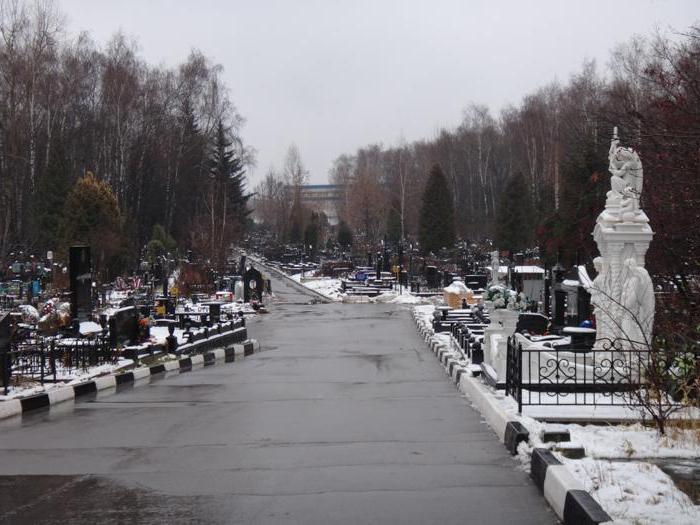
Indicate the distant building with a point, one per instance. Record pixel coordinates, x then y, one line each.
323 198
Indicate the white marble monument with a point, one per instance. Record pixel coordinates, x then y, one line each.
622 293
495 267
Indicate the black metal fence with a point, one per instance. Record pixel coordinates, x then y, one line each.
467 336
613 374
51 360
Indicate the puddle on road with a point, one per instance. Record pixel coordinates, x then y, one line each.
88 499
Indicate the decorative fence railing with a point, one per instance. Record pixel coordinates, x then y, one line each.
7 301
465 335
610 375
51 360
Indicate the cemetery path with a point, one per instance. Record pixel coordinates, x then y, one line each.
345 417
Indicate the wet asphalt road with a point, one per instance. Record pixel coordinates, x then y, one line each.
345 417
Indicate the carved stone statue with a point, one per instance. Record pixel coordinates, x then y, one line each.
638 306
495 267
626 182
603 303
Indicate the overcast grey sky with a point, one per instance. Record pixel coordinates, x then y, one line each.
332 75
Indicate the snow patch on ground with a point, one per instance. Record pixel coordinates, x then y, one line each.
331 288
30 388
635 492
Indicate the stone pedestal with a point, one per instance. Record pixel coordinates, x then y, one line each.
503 322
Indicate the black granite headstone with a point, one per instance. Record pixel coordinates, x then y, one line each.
80 275
124 326
253 285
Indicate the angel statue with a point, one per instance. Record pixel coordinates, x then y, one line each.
604 307
638 305
627 174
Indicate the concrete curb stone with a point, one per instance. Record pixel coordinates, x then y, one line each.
561 490
18 406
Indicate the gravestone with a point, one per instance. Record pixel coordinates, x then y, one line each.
475 282
432 276
80 276
124 326
214 312
253 285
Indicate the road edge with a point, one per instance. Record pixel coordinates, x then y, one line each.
230 354
563 493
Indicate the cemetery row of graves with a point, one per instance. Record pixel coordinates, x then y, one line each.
53 333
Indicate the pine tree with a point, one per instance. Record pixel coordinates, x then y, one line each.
514 216
437 227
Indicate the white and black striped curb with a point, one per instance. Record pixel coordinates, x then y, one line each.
15 407
563 492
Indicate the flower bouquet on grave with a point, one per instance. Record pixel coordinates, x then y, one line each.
517 302
494 293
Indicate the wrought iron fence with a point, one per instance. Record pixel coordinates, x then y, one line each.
609 374
51 360
467 334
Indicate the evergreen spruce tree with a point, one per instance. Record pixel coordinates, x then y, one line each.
160 244
393 223
344 235
47 206
437 227
296 220
228 172
227 201
311 232
514 216
190 164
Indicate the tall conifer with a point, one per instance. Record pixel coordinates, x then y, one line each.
437 224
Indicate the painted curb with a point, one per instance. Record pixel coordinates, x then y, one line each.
515 434
19 406
9 408
562 491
